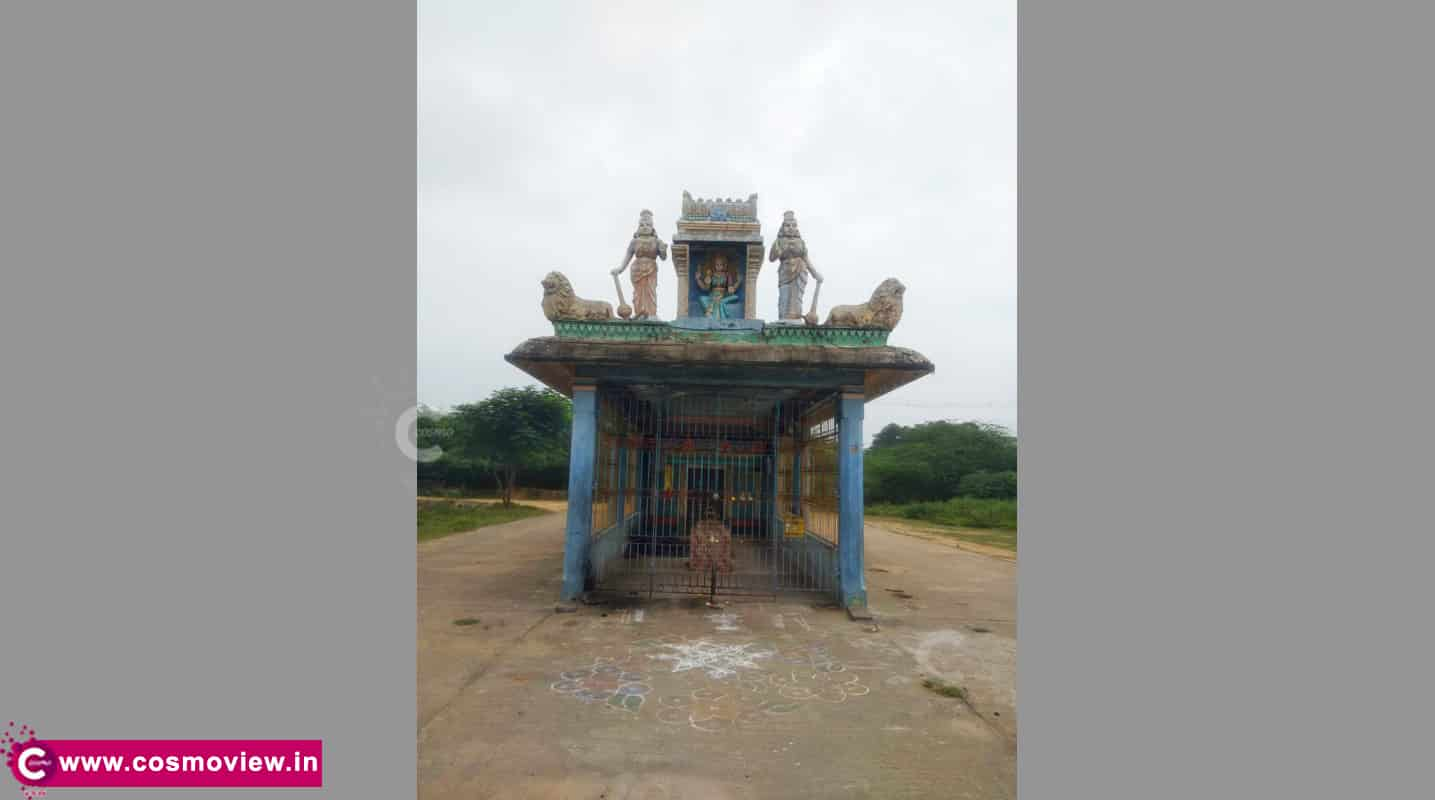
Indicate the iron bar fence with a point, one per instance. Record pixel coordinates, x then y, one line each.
699 491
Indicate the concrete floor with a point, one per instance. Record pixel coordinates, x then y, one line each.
671 699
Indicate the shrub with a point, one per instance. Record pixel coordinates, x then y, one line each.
989 485
961 512
931 460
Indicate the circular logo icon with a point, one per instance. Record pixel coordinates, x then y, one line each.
34 763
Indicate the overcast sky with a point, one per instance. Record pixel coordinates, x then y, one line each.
890 129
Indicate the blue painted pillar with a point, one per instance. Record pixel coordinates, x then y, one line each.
645 484
622 481
582 451
796 483
852 582
773 518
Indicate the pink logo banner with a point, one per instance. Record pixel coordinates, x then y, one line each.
167 763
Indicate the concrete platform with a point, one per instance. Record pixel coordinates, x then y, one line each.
671 699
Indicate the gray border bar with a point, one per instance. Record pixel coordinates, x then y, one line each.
1224 399
209 322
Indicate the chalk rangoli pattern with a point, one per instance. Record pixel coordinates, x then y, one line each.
714 659
605 682
757 699
714 709
832 686
725 622
720 686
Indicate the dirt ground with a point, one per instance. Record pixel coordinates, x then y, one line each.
670 699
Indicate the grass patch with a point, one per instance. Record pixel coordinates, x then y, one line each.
945 689
440 518
452 493
467 621
971 519
460 493
961 512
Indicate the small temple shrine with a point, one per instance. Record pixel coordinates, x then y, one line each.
714 452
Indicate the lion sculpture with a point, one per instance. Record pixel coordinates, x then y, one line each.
884 310
559 302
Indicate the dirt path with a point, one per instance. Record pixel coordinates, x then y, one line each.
668 699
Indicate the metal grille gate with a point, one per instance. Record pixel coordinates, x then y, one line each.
699 491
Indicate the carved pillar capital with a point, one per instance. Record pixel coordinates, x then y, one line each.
754 267
680 266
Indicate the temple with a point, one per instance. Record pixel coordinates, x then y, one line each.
716 453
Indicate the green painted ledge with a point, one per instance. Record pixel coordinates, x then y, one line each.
767 334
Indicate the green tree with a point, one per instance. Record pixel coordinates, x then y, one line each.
928 461
989 485
889 435
512 431
433 429
893 476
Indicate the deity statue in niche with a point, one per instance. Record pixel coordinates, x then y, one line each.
719 283
643 251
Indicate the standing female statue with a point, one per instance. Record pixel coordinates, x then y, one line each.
789 248
643 252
